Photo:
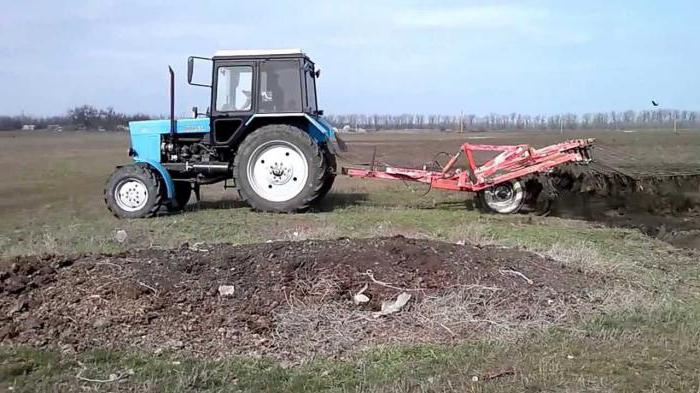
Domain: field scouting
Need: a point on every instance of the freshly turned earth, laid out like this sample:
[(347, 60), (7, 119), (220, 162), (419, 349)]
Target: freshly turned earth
[(290, 298)]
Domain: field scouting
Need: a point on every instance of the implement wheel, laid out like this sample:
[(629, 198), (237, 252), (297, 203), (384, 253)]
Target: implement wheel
[(134, 191), (279, 168), (504, 198)]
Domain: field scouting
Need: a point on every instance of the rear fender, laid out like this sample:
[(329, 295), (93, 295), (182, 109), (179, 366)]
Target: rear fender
[(320, 130)]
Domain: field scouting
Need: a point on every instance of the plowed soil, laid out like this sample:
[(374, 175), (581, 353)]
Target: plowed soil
[(665, 207), (290, 300)]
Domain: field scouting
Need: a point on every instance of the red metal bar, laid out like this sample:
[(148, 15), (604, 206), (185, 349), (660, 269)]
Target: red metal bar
[(450, 164), (514, 161)]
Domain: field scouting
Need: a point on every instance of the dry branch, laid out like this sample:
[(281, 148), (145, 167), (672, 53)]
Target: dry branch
[(112, 377), (369, 274), (516, 273)]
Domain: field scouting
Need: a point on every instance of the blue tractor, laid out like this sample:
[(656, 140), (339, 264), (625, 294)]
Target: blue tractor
[(263, 133)]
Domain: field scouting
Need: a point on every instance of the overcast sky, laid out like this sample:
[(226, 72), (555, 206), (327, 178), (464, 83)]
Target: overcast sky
[(376, 56)]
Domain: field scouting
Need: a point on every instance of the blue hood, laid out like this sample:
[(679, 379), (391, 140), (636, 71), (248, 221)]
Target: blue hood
[(184, 126)]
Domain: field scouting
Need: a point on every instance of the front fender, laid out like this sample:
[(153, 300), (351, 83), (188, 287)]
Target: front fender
[(169, 184)]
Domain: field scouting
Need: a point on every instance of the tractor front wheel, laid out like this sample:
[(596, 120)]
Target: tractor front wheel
[(504, 198), (183, 192), (134, 191), (279, 168)]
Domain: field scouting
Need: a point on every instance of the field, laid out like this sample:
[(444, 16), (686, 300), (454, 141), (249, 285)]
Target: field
[(601, 295)]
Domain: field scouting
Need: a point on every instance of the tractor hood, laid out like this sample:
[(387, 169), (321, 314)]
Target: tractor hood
[(184, 126), (146, 135)]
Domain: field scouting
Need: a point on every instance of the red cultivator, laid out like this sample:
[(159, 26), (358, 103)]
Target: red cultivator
[(499, 181)]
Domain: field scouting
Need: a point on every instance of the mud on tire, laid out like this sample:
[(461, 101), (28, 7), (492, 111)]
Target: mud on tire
[(331, 166), (134, 191), (272, 158)]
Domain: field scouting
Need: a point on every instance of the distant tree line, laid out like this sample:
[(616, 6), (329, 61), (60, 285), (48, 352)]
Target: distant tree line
[(90, 117), (81, 117), (662, 118)]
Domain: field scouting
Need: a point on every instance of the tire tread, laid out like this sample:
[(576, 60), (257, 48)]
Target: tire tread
[(143, 172)]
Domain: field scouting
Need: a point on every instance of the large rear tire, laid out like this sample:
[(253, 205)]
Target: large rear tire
[(504, 198), (331, 166), (279, 168), (134, 191)]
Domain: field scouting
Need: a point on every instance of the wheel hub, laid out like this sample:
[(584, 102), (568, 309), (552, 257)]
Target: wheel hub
[(280, 174), (505, 198), (131, 195), (503, 193), (277, 171)]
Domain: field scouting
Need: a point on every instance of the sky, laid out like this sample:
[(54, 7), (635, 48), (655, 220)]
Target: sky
[(393, 56)]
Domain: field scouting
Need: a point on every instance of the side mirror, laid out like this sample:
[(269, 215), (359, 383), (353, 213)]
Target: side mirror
[(317, 73), (190, 70)]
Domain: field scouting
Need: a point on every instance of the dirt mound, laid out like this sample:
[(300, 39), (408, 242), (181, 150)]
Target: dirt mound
[(290, 300)]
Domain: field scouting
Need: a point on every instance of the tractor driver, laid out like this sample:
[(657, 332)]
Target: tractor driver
[(272, 98)]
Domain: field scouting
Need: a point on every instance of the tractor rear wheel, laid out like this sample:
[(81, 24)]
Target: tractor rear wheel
[(279, 168), (504, 198), (134, 191), (331, 166)]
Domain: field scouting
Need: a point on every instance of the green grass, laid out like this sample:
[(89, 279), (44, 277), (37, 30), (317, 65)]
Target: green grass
[(612, 247), (649, 349), (75, 234)]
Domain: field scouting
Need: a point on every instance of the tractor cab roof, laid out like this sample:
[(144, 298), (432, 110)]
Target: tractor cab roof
[(257, 53)]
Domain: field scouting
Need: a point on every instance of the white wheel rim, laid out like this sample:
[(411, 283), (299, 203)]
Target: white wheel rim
[(131, 195), (277, 171), (505, 197)]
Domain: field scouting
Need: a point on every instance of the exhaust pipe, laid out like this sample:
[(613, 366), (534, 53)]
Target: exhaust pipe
[(173, 123), (211, 169)]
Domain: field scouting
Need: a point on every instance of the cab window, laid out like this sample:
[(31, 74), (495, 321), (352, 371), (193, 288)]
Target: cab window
[(280, 86), (234, 88)]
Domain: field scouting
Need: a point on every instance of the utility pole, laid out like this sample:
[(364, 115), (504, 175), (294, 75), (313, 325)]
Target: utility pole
[(461, 122), (561, 125)]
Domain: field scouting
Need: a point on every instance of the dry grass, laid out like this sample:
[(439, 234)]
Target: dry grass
[(582, 255), (474, 233), (309, 331), (324, 325)]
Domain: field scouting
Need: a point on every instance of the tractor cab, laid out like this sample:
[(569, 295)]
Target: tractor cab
[(257, 84), (263, 133)]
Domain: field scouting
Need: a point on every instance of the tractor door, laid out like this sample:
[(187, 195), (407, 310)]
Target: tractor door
[(280, 86), (233, 99)]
